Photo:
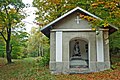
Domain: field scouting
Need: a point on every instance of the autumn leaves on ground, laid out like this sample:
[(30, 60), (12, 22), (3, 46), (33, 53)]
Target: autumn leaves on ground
[(30, 69)]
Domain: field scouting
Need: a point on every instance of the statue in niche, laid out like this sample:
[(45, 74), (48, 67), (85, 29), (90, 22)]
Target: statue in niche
[(76, 49)]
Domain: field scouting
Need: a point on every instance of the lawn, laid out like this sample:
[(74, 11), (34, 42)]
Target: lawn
[(29, 69)]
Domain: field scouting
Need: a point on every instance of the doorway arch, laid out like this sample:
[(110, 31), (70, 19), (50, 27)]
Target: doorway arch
[(78, 56)]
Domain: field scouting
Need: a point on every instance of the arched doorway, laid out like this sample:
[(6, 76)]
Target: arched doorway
[(78, 53)]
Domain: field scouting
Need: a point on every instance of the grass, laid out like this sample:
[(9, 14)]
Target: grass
[(26, 69), (29, 69)]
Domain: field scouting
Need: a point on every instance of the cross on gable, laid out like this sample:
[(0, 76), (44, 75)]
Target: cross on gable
[(78, 20)]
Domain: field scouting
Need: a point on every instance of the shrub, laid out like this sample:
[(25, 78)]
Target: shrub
[(44, 61), (2, 54), (17, 55)]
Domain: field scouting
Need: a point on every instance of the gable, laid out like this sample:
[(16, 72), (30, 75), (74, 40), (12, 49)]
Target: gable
[(69, 22), (46, 29)]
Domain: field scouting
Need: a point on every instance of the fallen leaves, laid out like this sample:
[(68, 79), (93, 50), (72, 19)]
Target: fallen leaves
[(28, 70), (106, 75)]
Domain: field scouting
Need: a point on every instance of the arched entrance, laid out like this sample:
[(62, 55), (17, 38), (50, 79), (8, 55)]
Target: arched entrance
[(78, 53)]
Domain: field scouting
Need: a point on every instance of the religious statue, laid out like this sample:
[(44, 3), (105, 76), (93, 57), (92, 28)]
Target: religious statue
[(77, 49)]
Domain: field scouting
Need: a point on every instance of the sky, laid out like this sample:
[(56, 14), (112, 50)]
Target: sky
[(29, 20)]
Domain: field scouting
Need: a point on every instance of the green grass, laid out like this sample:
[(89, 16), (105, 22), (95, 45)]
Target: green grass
[(29, 69), (26, 69)]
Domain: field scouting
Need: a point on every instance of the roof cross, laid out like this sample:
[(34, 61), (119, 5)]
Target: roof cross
[(78, 20)]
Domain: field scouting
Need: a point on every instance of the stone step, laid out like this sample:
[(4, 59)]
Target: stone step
[(78, 66), (78, 62), (79, 71)]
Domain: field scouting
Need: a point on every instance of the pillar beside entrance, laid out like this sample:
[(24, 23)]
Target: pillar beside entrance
[(92, 52), (59, 50), (106, 50), (59, 46)]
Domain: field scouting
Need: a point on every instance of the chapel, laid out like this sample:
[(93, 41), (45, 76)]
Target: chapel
[(75, 47)]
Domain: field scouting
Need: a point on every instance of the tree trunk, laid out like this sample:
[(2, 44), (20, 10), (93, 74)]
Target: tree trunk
[(8, 52), (42, 51), (38, 51), (8, 46)]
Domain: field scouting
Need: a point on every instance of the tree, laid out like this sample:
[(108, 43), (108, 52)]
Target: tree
[(10, 15), (115, 43), (38, 44), (108, 10)]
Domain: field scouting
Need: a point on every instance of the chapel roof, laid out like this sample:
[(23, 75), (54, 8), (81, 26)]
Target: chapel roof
[(46, 29)]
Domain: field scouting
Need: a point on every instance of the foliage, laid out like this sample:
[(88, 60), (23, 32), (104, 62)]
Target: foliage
[(44, 61), (38, 44), (95, 23), (10, 12), (19, 42), (108, 10), (115, 43)]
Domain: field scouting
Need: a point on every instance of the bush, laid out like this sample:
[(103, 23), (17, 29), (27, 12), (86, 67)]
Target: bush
[(44, 61), (25, 56), (2, 54), (17, 55)]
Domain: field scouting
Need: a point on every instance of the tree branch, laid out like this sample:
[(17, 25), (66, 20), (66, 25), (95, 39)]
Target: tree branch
[(3, 36)]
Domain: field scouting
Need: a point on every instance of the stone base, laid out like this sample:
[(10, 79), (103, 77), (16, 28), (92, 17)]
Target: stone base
[(59, 67), (52, 65), (101, 66), (64, 67), (92, 66), (79, 71), (77, 61)]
